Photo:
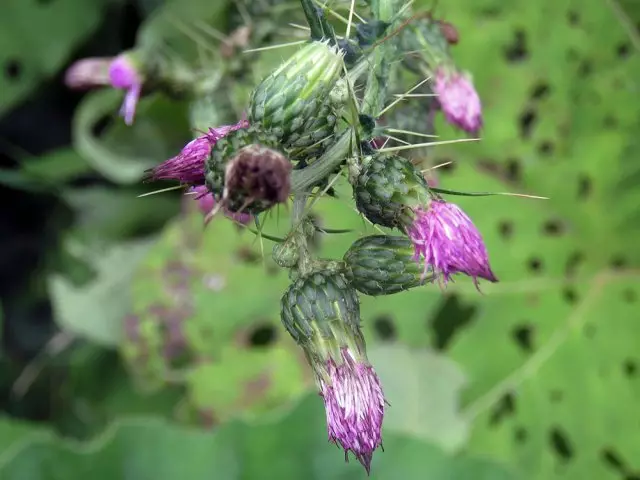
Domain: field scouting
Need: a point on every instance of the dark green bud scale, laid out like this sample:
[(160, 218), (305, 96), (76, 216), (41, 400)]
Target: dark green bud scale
[(427, 44), (383, 265), (388, 188), (321, 311), (293, 101)]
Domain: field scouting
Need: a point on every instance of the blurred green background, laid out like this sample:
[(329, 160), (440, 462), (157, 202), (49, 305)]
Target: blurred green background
[(136, 345)]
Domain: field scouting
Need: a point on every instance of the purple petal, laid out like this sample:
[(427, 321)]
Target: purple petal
[(459, 100)]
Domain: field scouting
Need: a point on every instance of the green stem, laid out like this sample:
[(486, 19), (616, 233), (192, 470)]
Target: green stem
[(305, 179), (320, 27)]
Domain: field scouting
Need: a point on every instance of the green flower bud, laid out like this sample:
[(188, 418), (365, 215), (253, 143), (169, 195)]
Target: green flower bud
[(286, 254), (387, 190), (247, 171), (426, 43), (321, 311), (292, 102), (383, 265)]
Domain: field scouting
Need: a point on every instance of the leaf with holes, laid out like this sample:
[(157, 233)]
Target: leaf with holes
[(551, 348), (293, 446), (28, 54)]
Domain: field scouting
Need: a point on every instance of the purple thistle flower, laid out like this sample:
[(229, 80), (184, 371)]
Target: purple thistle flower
[(207, 204), (354, 405), (459, 100), (448, 241), (88, 73), (124, 75), (189, 165)]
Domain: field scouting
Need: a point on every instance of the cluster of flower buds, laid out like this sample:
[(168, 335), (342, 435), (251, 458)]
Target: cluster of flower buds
[(303, 124)]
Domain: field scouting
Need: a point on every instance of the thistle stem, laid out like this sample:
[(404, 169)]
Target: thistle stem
[(318, 24)]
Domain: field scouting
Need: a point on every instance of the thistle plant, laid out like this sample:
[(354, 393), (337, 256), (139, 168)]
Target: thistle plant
[(326, 113)]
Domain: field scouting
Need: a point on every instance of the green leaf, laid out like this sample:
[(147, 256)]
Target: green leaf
[(27, 50), (292, 447), (96, 310), (423, 390)]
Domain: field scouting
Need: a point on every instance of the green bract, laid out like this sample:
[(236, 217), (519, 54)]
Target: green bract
[(321, 311), (383, 265), (293, 101), (387, 188)]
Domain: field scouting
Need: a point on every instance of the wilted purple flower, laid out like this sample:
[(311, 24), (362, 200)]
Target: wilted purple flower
[(459, 100), (354, 405), (124, 75), (207, 204), (189, 165), (448, 241), (88, 73)]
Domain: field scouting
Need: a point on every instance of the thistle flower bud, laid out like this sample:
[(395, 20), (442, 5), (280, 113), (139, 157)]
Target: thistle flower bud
[(322, 313), (390, 191), (247, 171), (125, 74), (383, 265), (88, 73), (458, 99), (189, 165), (292, 101)]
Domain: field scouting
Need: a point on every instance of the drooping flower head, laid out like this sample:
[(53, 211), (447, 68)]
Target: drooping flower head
[(88, 73), (322, 313), (189, 165), (458, 99), (390, 191), (124, 74)]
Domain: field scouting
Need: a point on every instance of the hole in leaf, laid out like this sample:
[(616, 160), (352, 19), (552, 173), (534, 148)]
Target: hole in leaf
[(585, 68), (573, 17), (618, 262), (247, 255), (505, 228), (520, 435), (540, 90), (570, 295), (513, 171), (546, 148), (573, 263), (504, 407), (630, 368), (263, 335), (584, 187), (560, 444), (611, 458), (629, 295), (12, 69), (384, 327), (553, 227), (527, 121), (589, 330), (555, 396), (452, 317), (517, 50), (523, 335), (535, 265), (623, 50)]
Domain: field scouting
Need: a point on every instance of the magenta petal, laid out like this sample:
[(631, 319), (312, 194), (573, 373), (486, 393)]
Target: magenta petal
[(459, 100), (354, 405)]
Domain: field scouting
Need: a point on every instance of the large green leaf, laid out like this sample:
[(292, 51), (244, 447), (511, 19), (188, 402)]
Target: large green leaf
[(293, 447), (37, 38)]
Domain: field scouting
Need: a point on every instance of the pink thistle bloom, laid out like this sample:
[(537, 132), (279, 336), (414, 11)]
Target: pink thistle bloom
[(124, 75), (189, 165), (459, 100), (88, 73), (448, 241), (354, 405), (207, 204)]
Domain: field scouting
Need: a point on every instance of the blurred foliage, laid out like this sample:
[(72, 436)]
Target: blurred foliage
[(538, 376)]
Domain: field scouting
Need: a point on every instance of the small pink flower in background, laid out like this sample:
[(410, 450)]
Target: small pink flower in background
[(88, 73), (354, 406), (449, 243), (189, 165), (124, 75), (459, 100)]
